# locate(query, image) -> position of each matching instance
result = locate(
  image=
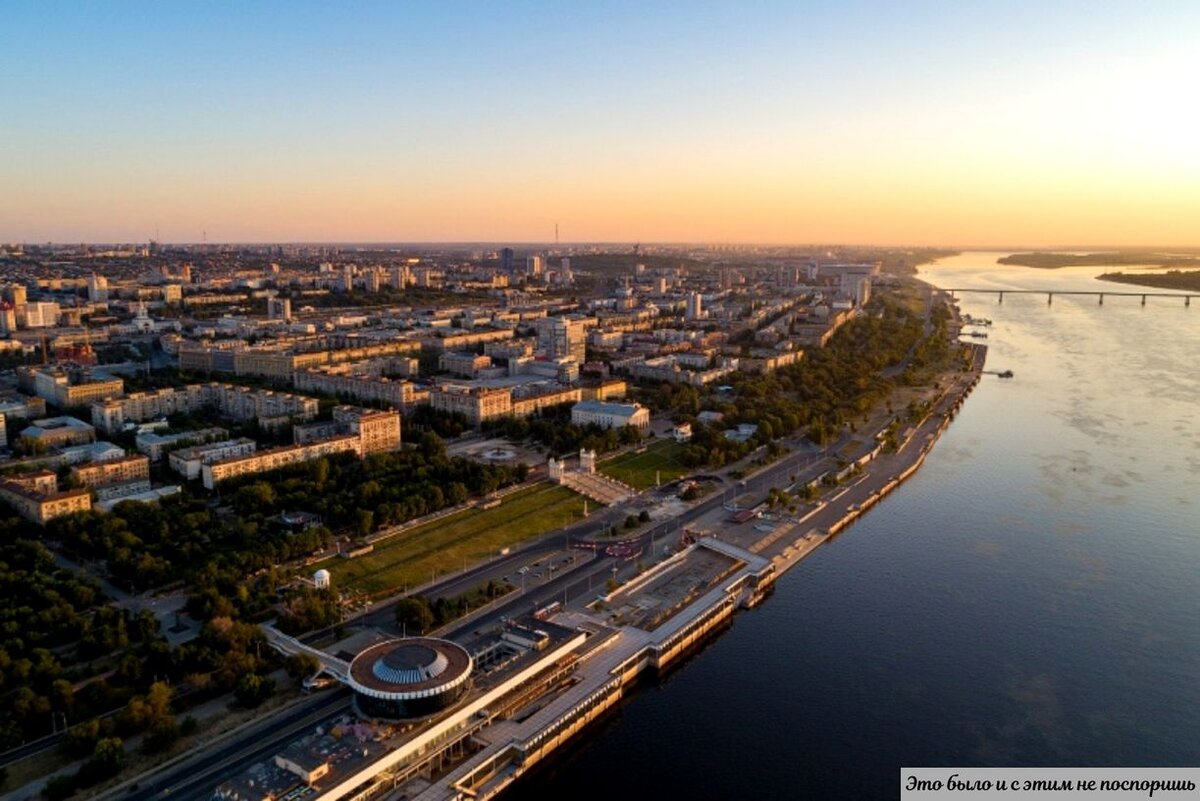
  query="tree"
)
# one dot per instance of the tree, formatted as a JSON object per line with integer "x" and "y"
{"x": 59, "y": 788}
{"x": 301, "y": 666}
{"x": 107, "y": 760}
{"x": 80, "y": 740}
{"x": 414, "y": 615}
{"x": 364, "y": 522}
{"x": 252, "y": 689}
{"x": 161, "y": 736}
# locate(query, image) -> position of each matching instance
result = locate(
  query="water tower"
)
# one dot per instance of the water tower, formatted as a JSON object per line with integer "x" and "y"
{"x": 321, "y": 579}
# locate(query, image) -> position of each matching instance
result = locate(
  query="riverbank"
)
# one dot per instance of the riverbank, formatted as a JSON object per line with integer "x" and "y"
{"x": 1184, "y": 281}
{"x": 1053, "y": 260}
{"x": 515, "y": 749}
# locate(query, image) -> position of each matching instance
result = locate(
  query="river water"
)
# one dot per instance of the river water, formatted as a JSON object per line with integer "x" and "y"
{"x": 1031, "y": 597}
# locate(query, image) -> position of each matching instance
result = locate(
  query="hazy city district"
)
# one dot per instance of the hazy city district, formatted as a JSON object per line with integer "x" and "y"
{"x": 344, "y": 522}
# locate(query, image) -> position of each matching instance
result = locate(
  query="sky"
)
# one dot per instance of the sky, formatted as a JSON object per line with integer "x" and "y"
{"x": 1019, "y": 123}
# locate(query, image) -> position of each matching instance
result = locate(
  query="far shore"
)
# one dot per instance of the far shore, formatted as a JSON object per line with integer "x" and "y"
{"x": 1186, "y": 281}
{"x": 1136, "y": 258}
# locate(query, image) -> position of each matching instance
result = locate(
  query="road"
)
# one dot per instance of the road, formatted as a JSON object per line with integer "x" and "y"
{"x": 195, "y": 777}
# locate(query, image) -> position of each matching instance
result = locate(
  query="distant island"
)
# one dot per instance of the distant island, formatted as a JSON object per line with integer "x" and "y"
{"x": 1174, "y": 279}
{"x": 1051, "y": 261}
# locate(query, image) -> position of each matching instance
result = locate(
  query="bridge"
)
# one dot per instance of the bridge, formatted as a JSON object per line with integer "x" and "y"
{"x": 331, "y": 665}
{"x": 1050, "y": 293}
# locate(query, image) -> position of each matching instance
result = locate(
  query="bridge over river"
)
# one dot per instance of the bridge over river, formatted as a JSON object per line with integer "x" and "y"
{"x": 1050, "y": 293}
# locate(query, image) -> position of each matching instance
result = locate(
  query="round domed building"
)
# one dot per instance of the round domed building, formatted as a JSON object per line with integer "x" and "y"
{"x": 409, "y": 678}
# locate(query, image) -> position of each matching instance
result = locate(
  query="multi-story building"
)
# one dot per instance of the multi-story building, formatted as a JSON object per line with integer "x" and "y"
{"x": 67, "y": 387}
{"x": 526, "y": 405}
{"x": 611, "y": 415}
{"x": 97, "y": 288}
{"x": 462, "y": 364}
{"x": 560, "y": 337}
{"x": 8, "y": 318}
{"x": 367, "y": 432}
{"x": 57, "y": 432}
{"x": 334, "y": 380}
{"x": 157, "y": 445}
{"x": 279, "y": 308}
{"x": 476, "y": 403}
{"x": 269, "y": 408}
{"x": 189, "y": 461}
{"x": 465, "y": 340}
{"x": 280, "y": 362}
{"x": 40, "y": 315}
{"x": 605, "y": 390}
{"x": 113, "y": 471}
{"x": 35, "y": 496}
{"x": 17, "y": 406}
{"x": 376, "y": 430}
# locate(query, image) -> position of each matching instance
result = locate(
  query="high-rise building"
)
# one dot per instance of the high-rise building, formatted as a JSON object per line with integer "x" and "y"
{"x": 8, "y": 318}
{"x": 399, "y": 276}
{"x": 371, "y": 279}
{"x": 16, "y": 294}
{"x": 506, "y": 260}
{"x": 560, "y": 337}
{"x": 279, "y": 308}
{"x": 41, "y": 315}
{"x": 533, "y": 266}
{"x": 97, "y": 288}
{"x": 695, "y": 306}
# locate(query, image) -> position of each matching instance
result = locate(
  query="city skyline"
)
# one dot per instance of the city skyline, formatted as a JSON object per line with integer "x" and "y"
{"x": 783, "y": 123}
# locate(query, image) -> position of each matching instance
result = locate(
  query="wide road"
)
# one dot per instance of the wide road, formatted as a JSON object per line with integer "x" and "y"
{"x": 195, "y": 777}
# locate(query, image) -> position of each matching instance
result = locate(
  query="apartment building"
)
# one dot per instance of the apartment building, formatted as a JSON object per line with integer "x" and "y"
{"x": 336, "y": 380}
{"x": 269, "y": 408}
{"x": 36, "y": 497}
{"x": 113, "y": 471}
{"x": 157, "y": 445}
{"x": 476, "y": 403}
{"x": 525, "y": 405}
{"x": 364, "y": 432}
{"x": 463, "y": 364}
{"x": 188, "y": 462}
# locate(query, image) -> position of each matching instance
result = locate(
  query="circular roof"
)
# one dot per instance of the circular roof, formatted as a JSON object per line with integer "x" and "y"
{"x": 410, "y": 663}
{"x": 410, "y": 668}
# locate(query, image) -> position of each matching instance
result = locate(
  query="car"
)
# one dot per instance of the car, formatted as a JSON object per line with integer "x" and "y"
{"x": 524, "y": 570}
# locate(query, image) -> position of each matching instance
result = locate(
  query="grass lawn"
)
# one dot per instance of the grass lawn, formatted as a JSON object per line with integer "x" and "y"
{"x": 638, "y": 469}
{"x": 466, "y": 537}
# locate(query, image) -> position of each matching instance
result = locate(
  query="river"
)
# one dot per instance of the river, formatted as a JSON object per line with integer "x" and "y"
{"x": 1031, "y": 597}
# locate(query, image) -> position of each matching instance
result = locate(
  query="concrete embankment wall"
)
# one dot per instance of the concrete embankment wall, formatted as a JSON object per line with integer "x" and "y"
{"x": 807, "y": 543}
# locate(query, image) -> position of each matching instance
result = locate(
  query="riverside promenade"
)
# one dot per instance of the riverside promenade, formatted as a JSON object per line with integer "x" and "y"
{"x": 729, "y": 567}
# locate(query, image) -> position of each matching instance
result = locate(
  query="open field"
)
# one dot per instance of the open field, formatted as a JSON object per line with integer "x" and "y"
{"x": 464, "y": 538}
{"x": 638, "y": 469}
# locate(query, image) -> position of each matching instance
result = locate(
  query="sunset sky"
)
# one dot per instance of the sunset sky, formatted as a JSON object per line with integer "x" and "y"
{"x": 1007, "y": 123}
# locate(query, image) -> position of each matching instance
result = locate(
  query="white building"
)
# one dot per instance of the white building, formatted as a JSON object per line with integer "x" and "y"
{"x": 610, "y": 415}
{"x": 41, "y": 315}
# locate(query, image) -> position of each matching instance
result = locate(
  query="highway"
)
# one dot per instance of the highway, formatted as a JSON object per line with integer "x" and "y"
{"x": 195, "y": 777}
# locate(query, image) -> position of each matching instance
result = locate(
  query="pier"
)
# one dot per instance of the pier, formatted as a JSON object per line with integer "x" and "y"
{"x": 1050, "y": 293}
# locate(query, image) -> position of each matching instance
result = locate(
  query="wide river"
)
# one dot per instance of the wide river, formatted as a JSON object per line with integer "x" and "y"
{"x": 1031, "y": 597}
